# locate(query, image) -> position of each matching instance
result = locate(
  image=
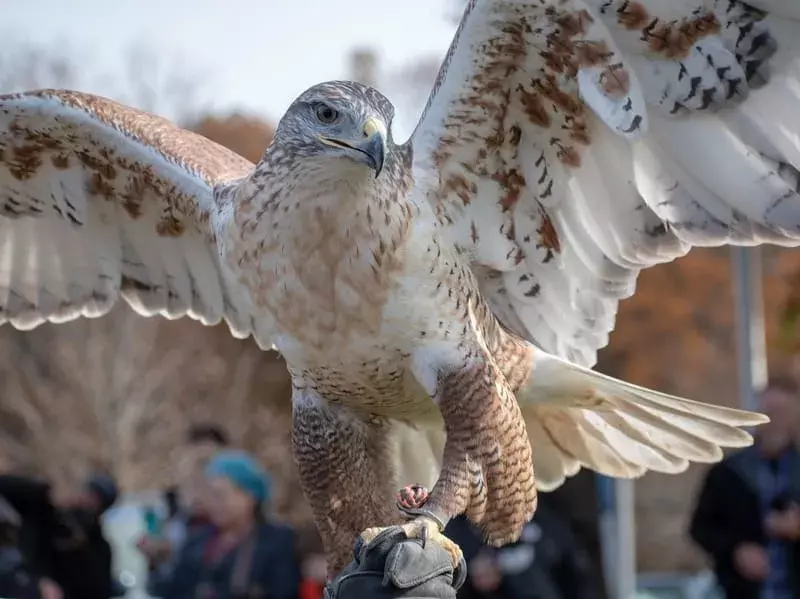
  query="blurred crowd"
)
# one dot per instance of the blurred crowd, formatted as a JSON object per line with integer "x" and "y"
{"x": 212, "y": 536}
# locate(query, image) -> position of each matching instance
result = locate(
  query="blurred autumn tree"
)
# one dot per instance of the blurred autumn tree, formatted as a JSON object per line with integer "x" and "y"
{"x": 119, "y": 391}
{"x": 245, "y": 135}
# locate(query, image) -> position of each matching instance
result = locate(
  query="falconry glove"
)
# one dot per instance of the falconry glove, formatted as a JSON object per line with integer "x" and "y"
{"x": 393, "y": 566}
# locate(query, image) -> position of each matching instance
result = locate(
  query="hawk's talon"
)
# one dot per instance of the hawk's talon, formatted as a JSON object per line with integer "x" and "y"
{"x": 426, "y": 527}
{"x": 410, "y": 500}
{"x": 412, "y": 497}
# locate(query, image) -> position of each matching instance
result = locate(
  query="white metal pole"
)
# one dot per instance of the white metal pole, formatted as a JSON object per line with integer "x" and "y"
{"x": 751, "y": 344}
{"x": 618, "y": 536}
{"x": 626, "y": 539}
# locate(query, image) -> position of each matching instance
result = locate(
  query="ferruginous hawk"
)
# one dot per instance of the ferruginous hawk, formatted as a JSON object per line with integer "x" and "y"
{"x": 439, "y": 303}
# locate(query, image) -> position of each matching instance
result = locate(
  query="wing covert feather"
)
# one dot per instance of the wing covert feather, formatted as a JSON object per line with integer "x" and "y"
{"x": 99, "y": 200}
{"x": 568, "y": 145}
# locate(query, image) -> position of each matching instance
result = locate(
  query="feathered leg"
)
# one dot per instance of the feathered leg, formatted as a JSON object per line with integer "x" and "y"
{"x": 346, "y": 471}
{"x": 487, "y": 470}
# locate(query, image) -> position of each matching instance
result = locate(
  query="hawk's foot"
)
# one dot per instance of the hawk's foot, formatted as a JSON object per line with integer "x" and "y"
{"x": 427, "y": 528}
{"x": 411, "y": 498}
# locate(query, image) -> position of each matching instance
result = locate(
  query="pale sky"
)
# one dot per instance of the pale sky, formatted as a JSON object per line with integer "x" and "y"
{"x": 255, "y": 55}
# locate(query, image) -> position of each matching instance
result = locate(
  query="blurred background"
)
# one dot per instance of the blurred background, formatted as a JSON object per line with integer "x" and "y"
{"x": 117, "y": 393}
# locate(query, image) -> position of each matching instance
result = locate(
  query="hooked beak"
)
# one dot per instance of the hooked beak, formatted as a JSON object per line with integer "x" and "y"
{"x": 371, "y": 149}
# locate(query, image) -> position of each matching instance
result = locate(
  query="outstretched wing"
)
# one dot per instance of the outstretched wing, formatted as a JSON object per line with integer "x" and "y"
{"x": 99, "y": 200}
{"x": 569, "y": 144}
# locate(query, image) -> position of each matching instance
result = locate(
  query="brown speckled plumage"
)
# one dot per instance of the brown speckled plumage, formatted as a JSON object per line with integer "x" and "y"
{"x": 487, "y": 471}
{"x": 346, "y": 465}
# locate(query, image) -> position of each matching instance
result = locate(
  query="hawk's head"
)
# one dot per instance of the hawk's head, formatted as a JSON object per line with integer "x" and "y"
{"x": 340, "y": 119}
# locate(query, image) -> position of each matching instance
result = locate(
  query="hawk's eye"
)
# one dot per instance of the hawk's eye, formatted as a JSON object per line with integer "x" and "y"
{"x": 326, "y": 114}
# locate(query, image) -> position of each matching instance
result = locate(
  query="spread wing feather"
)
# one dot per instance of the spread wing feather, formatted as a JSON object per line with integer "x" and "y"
{"x": 98, "y": 201}
{"x": 567, "y": 145}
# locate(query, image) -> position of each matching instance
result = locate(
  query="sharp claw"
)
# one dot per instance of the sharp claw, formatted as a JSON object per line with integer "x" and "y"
{"x": 421, "y": 528}
{"x": 412, "y": 497}
{"x": 410, "y": 501}
{"x": 425, "y": 536}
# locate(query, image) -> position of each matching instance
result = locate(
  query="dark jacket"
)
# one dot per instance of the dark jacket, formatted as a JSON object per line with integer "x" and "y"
{"x": 546, "y": 563}
{"x": 66, "y": 547}
{"x": 82, "y": 565}
{"x": 31, "y": 499}
{"x": 273, "y": 572}
{"x": 728, "y": 513}
{"x": 179, "y": 528}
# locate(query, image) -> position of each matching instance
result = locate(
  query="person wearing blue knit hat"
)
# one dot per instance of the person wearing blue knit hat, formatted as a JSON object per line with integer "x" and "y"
{"x": 242, "y": 554}
{"x": 245, "y": 556}
{"x": 241, "y": 470}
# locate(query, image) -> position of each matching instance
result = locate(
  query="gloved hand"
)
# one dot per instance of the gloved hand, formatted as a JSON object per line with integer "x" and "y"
{"x": 393, "y": 566}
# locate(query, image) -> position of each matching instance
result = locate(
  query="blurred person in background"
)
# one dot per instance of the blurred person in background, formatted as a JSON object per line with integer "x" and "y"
{"x": 203, "y": 442}
{"x": 186, "y": 512}
{"x": 61, "y": 538}
{"x": 576, "y": 501}
{"x": 31, "y": 499}
{"x": 83, "y": 558}
{"x": 16, "y": 579}
{"x": 241, "y": 554}
{"x": 546, "y": 563}
{"x": 747, "y": 517}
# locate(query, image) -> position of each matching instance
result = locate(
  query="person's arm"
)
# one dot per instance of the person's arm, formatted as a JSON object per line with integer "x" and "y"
{"x": 710, "y": 527}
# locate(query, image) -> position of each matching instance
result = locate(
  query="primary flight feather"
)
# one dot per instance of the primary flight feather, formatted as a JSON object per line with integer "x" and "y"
{"x": 439, "y": 303}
